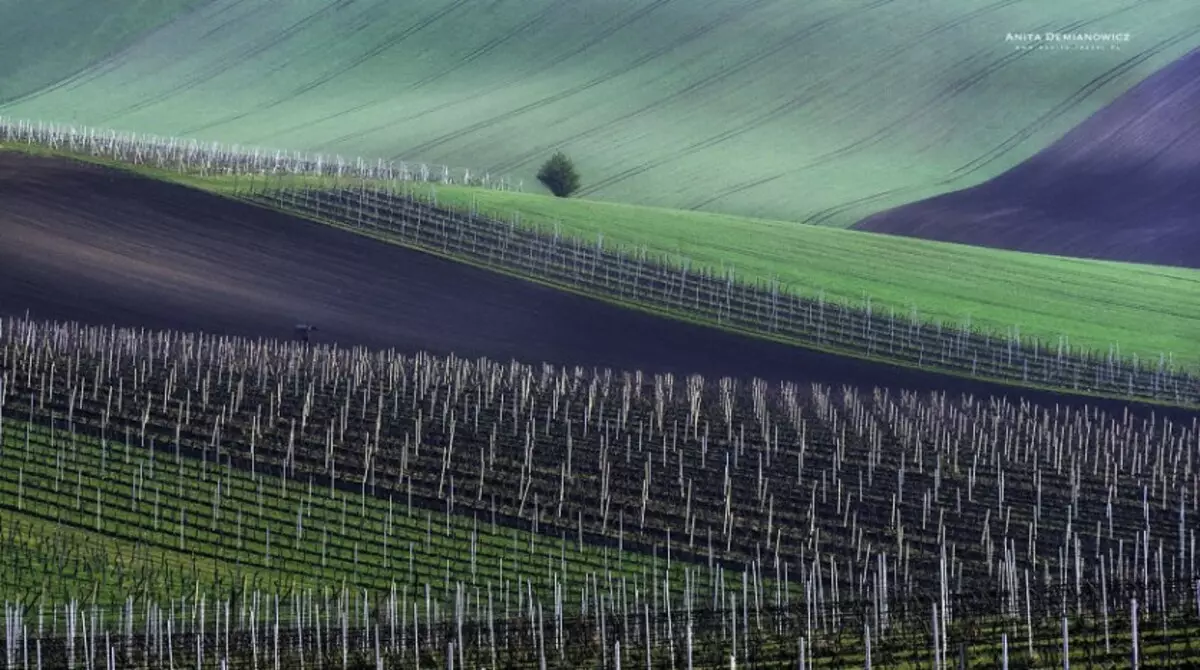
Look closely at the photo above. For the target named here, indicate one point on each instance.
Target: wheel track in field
(223, 64)
(491, 45)
(882, 133)
(726, 17)
(161, 64)
(716, 77)
(634, 172)
(372, 14)
(106, 64)
(781, 109)
(478, 53)
(550, 63)
(1014, 140)
(389, 42)
(719, 21)
(878, 135)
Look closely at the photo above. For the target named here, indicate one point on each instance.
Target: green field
(97, 36)
(822, 111)
(1093, 303)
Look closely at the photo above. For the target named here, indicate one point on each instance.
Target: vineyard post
(1066, 645)
(867, 640)
(1133, 622)
(689, 646)
(937, 657)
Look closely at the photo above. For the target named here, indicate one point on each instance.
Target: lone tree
(559, 175)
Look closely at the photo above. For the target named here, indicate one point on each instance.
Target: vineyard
(383, 198)
(765, 309)
(205, 158)
(220, 501)
(196, 499)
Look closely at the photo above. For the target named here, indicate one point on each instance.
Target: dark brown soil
(95, 245)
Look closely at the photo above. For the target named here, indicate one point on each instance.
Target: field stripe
(716, 77)
(108, 63)
(1087, 90)
(642, 60)
(223, 64)
(388, 42)
(549, 63)
(759, 121)
(483, 50)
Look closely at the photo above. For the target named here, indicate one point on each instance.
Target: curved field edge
(681, 104)
(1097, 305)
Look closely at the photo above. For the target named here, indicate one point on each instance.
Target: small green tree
(559, 175)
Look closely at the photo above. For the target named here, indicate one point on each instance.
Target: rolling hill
(1124, 185)
(100, 246)
(823, 111)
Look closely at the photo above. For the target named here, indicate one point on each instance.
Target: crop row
(160, 504)
(829, 490)
(785, 513)
(339, 629)
(762, 306)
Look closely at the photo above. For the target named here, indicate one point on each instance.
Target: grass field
(821, 112)
(97, 35)
(1093, 303)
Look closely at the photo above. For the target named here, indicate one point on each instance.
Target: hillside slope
(100, 246)
(50, 43)
(1124, 185)
(822, 111)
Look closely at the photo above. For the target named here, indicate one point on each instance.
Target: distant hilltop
(1066, 37)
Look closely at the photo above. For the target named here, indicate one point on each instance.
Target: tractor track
(592, 188)
(708, 81)
(550, 63)
(223, 64)
(481, 51)
(591, 83)
(106, 64)
(386, 44)
(1083, 93)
